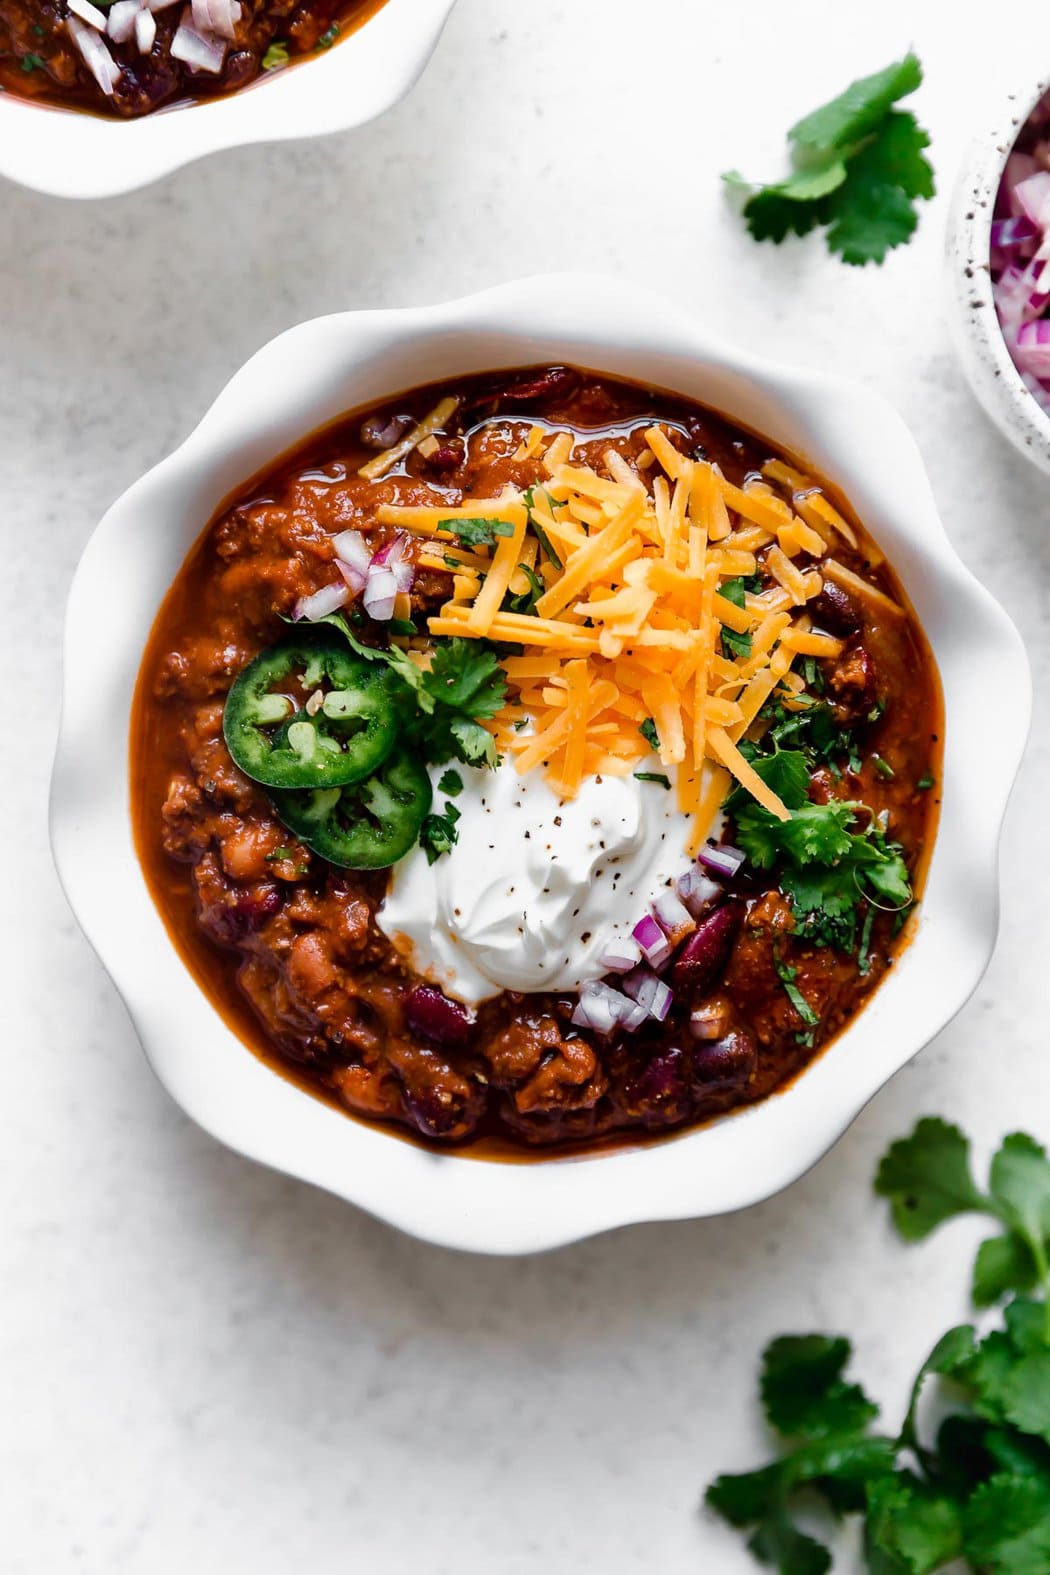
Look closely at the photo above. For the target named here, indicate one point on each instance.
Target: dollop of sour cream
(536, 887)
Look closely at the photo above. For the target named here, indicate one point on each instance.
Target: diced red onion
(202, 51)
(160, 5)
(1033, 198)
(650, 992)
(656, 948)
(721, 861)
(380, 592)
(697, 890)
(95, 55)
(88, 13)
(351, 548)
(603, 1009)
(145, 32)
(327, 600)
(673, 917)
(1033, 348)
(708, 1021)
(392, 555)
(620, 956)
(216, 16)
(120, 24)
(1011, 235)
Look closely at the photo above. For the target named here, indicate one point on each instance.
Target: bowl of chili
(305, 381)
(90, 107)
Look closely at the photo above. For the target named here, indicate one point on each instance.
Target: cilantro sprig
(858, 169)
(833, 861)
(975, 1494)
(464, 686)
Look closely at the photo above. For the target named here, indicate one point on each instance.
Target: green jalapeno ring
(341, 738)
(366, 825)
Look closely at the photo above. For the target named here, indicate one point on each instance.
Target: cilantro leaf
(649, 733)
(438, 833)
(1003, 1263)
(927, 1178)
(450, 782)
(476, 532)
(1019, 1182)
(474, 744)
(858, 168)
(465, 675)
(915, 1529)
(1006, 1526)
(856, 113)
(803, 1392)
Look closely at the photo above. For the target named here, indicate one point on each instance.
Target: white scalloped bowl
(978, 338)
(298, 383)
(68, 153)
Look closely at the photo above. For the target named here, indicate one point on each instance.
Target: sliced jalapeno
(368, 825)
(308, 713)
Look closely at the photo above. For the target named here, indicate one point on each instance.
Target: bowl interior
(302, 381)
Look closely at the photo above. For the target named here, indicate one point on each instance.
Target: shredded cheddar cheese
(640, 612)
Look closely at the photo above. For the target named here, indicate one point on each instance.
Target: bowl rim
(321, 366)
(979, 339)
(76, 154)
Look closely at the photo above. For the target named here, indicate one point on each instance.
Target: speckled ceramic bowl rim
(299, 382)
(67, 153)
(975, 326)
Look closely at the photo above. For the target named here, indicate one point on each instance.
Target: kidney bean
(433, 1015)
(727, 1063)
(448, 456)
(706, 952)
(836, 611)
(244, 916)
(658, 1092)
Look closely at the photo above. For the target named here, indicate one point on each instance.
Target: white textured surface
(204, 1364)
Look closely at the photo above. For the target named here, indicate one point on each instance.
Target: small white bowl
(975, 326)
(68, 153)
(300, 382)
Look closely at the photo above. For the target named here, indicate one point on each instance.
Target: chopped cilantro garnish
(450, 782)
(649, 733)
(402, 626)
(733, 643)
(279, 855)
(826, 857)
(965, 1483)
(275, 57)
(925, 783)
(328, 37)
(883, 767)
(653, 776)
(463, 687)
(544, 539)
(477, 532)
(33, 63)
(787, 976)
(438, 833)
(526, 601)
(858, 169)
(864, 950)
